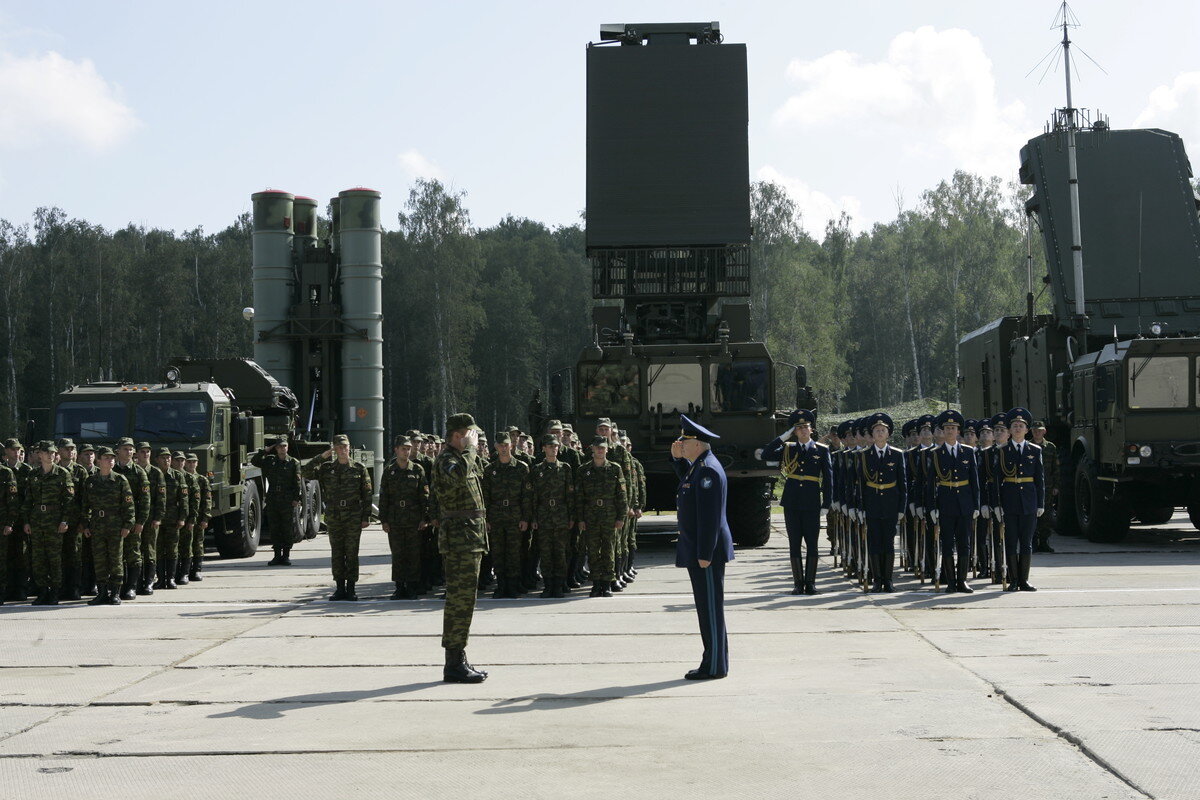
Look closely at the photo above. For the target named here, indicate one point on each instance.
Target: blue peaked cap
(694, 430)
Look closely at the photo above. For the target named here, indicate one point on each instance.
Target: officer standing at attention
(705, 544)
(953, 489)
(807, 491)
(462, 541)
(1021, 481)
(50, 510)
(285, 491)
(109, 514)
(884, 491)
(346, 492)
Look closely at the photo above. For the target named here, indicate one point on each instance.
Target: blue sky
(171, 114)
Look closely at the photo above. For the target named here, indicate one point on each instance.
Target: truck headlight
(1145, 451)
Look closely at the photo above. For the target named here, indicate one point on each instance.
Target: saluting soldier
(176, 507)
(346, 493)
(285, 493)
(553, 484)
(953, 489)
(602, 508)
(507, 494)
(203, 490)
(807, 492)
(1047, 521)
(462, 540)
(404, 514)
(139, 488)
(882, 479)
(1021, 482)
(158, 508)
(49, 512)
(109, 514)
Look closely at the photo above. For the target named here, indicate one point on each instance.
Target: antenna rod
(1073, 178)
(1029, 270)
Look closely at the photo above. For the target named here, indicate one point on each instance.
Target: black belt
(552, 503)
(100, 513)
(477, 514)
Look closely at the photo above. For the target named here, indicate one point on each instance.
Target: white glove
(900, 517)
(999, 513)
(912, 509)
(837, 507)
(987, 512)
(1041, 511)
(933, 515)
(783, 437)
(824, 511)
(920, 511)
(975, 515)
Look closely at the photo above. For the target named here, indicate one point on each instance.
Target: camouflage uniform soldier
(74, 549)
(637, 503)
(620, 456)
(404, 513)
(1047, 521)
(109, 513)
(183, 551)
(601, 503)
(285, 492)
(203, 497)
(158, 507)
(506, 496)
(18, 542)
(553, 514)
(462, 539)
(176, 507)
(10, 512)
(346, 493)
(139, 487)
(49, 512)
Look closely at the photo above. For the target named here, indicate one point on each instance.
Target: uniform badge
(706, 483)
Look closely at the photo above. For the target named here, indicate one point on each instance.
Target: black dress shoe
(698, 675)
(965, 587)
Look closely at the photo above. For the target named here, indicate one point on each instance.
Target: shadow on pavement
(549, 702)
(275, 709)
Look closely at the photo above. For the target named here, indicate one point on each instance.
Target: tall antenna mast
(1068, 120)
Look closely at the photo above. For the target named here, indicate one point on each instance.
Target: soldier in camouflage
(74, 549)
(346, 492)
(404, 514)
(601, 508)
(457, 497)
(637, 503)
(176, 508)
(10, 512)
(203, 495)
(553, 484)
(87, 460)
(18, 541)
(1047, 521)
(620, 456)
(506, 496)
(285, 493)
(183, 551)
(109, 513)
(158, 507)
(139, 487)
(49, 512)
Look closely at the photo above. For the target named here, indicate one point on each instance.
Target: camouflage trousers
(148, 544)
(194, 546)
(281, 522)
(72, 554)
(107, 549)
(345, 531)
(131, 550)
(47, 546)
(405, 543)
(16, 554)
(167, 544)
(462, 577)
(601, 547)
(552, 551)
(507, 548)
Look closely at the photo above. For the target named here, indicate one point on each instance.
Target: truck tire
(1156, 516)
(1101, 518)
(312, 496)
(1194, 514)
(748, 511)
(242, 529)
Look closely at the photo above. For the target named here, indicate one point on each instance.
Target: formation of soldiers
(108, 522)
(963, 497)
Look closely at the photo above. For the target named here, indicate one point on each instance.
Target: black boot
(888, 563)
(285, 559)
(632, 569)
(963, 586)
(501, 590)
(400, 592)
(72, 581)
(114, 594)
(52, 596)
(181, 571)
(278, 559)
(128, 587)
(949, 574)
(810, 572)
(548, 591)
(797, 580)
(146, 586)
(168, 574)
(457, 670)
(350, 593)
(601, 589)
(101, 597)
(196, 573)
(340, 592)
(617, 586)
(1023, 565)
(1014, 581)
(560, 586)
(875, 566)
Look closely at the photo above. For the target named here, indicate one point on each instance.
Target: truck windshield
(90, 420)
(1159, 382)
(172, 418)
(679, 387)
(741, 386)
(609, 390)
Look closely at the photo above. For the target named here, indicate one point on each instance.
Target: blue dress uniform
(1021, 487)
(953, 482)
(912, 457)
(704, 535)
(807, 489)
(884, 493)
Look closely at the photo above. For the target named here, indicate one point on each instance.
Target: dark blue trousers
(1019, 530)
(708, 588)
(803, 526)
(956, 538)
(881, 535)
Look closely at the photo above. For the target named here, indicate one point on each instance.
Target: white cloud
(816, 208)
(1175, 108)
(418, 166)
(48, 97)
(934, 94)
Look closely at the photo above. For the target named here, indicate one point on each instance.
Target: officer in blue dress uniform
(807, 491)
(912, 473)
(953, 489)
(1021, 486)
(884, 490)
(705, 544)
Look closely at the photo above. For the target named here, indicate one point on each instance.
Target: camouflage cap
(554, 425)
(178, 454)
(459, 422)
(568, 427)
(503, 438)
(1038, 425)
(412, 433)
(599, 441)
(87, 447)
(104, 450)
(45, 446)
(341, 438)
(125, 441)
(144, 446)
(192, 457)
(604, 421)
(549, 439)
(401, 441)
(12, 443)
(64, 442)
(162, 451)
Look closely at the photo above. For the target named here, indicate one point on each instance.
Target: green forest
(477, 318)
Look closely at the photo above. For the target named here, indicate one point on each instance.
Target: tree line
(478, 318)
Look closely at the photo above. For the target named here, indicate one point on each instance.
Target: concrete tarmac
(252, 684)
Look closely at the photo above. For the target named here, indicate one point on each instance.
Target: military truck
(668, 239)
(1115, 368)
(220, 409)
